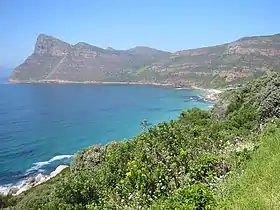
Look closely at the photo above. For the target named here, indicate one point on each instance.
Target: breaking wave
(38, 165)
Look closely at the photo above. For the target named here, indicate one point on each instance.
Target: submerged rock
(31, 180)
(40, 178)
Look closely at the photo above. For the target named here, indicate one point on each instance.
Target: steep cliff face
(55, 60)
(47, 45)
(48, 54)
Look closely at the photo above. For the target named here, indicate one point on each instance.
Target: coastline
(10, 81)
(33, 181)
(209, 95)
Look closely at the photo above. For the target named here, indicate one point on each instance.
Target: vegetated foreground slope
(182, 164)
(56, 61)
(259, 186)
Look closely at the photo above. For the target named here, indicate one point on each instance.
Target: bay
(43, 125)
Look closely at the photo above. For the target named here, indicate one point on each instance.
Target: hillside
(199, 161)
(54, 60)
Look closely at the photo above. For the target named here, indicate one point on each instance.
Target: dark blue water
(41, 126)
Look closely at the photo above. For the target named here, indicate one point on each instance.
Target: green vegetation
(195, 162)
(259, 186)
(190, 197)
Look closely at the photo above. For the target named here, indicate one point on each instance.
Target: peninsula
(230, 64)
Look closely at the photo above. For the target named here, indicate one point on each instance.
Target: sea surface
(42, 126)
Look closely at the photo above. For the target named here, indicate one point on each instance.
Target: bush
(188, 198)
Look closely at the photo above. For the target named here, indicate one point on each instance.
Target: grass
(259, 186)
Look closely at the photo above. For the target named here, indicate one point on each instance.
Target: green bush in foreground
(188, 198)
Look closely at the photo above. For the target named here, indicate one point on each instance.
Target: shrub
(188, 198)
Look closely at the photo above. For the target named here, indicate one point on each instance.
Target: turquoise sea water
(42, 126)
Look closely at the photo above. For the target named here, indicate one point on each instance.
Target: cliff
(54, 59)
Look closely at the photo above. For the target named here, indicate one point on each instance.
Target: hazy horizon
(5, 72)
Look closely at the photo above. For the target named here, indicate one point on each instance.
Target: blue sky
(164, 24)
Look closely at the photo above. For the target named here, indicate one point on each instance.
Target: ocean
(44, 125)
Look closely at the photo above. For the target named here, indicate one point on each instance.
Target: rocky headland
(55, 61)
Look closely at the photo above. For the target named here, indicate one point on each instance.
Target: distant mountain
(55, 60)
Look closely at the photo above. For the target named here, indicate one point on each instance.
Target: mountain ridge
(220, 65)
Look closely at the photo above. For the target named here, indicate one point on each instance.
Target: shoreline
(10, 81)
(32, 181)
(210, 95)
(38, 177)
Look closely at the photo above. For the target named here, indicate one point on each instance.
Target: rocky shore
(211, 95)
(32, 182)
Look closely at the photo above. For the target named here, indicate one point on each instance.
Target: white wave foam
(38, 165)
(60, 157)
(23, 185)
(4, 190)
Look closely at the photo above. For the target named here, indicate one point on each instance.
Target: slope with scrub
(183, 164)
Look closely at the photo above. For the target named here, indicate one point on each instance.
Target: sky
(163, 24)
